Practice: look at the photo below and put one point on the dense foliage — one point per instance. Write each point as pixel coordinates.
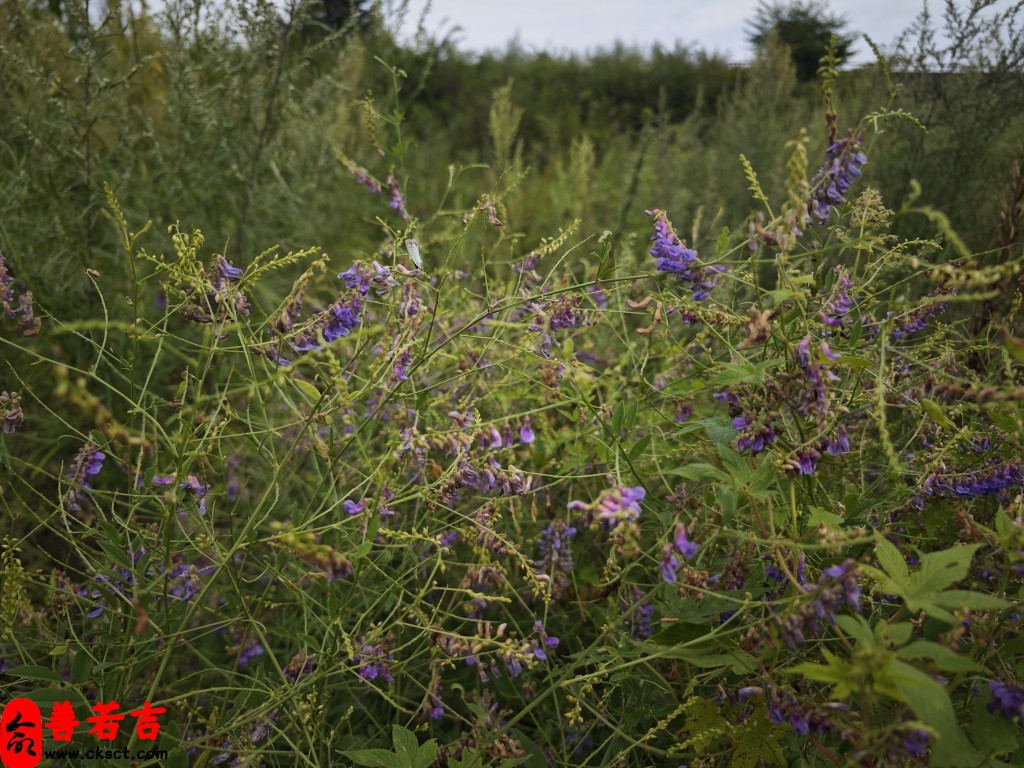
(697, 443)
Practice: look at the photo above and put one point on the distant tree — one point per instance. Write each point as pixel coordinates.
(806, 27)
(336, 14)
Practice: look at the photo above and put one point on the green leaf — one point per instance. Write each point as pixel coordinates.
(822, 673)
(743, 373)
(376, 758)
(856, 331)
(1015, 347)
(944, 658)
(629, 415)
(117, 555)
(858, 628)
(943, 569)
(639, 447)
(719, 429)
(309, 392)
(974, 601)
(894, 634)
(699, 472)
(723, 241)
(934, 410)
(817, 516)
(892, 561)
(405, 741)
(932, 706)
(616, 424)
(992, 732)
(34, 672)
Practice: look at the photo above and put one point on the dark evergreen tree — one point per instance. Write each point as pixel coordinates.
(806, 27)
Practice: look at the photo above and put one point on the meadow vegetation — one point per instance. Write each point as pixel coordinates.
(368, 403)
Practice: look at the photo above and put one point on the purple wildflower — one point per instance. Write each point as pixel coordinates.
(362, 176)
(1007, 699)
(614, 506)
(88, 463)
(669, 565)
(838, 304)
(638, 613)
(354, 508)
(363, 277)
(397, 201)
(672, 255)
(526, 435)
(372, 661)
(247, 652)
(843, 162)
(685, 547)
(198, 489)
(299, 666)
(227, 271)
(11, 415)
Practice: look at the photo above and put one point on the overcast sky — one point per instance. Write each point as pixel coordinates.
(561, 26)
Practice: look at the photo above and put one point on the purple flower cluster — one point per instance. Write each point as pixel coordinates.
(397, 200)
(11, 414)
(88, 463)
(372, 661)
(299, 666)
(184, 581)
(363, 277)
(246, 648)
(785, 708)
(672, 255)
(196, 487)
(556, 315)
(613, 507)
(638, 613)
(843, 163)
(555, 562)
(669, 562)
(325, 327)
(835, 307)
(28, 323)
(1007, 699)
(836, 585)
(214, 306)
(362, 176)
(916, 320)
(994, 478)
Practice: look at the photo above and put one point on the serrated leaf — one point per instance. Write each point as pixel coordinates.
(743, 373)
(944, 658)
(858, 628)
(405, 741)
(720, 430)
(974, 601)
(699, 471)
(892, 561)
(376, 758)
(932, 706)
(940, 570)
(894, 634)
